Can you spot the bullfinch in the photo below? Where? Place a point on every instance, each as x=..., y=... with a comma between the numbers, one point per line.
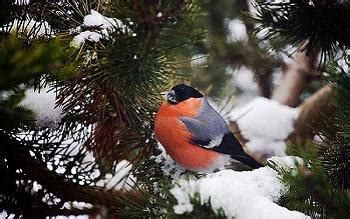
x=196, y=136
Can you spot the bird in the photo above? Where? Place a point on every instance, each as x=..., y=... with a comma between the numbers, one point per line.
x=196, y=136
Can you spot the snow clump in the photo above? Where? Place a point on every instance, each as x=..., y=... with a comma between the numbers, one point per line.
x=266, y=124
x=246, y=194
x=106, y=25
x=43, y=104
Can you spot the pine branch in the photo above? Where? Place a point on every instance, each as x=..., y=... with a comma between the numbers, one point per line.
x=57, y=184
x=323, y=23
x=320, y=186
x=335, y=152
x=118, y=88
x=311, y=190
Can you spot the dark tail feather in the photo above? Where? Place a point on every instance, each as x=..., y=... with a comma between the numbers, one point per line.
x=247, y=160
x=231, y=146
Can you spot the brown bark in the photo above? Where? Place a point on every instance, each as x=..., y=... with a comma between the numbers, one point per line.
x=296, y=77
x=313, y=114
x=265, y=85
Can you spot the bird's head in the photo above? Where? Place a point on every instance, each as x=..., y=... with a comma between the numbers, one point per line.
x=182, y=92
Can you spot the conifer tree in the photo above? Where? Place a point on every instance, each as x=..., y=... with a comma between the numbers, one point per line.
x=107, y=63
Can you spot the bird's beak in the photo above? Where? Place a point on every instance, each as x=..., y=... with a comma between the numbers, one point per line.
x=164, y=95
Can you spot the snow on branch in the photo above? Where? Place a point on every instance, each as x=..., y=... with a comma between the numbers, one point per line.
x=247, y=194
x=237, y=31
x=43, y=104
x=59, y=185
x=265, y=124
x=104, y=24
x=29, y=27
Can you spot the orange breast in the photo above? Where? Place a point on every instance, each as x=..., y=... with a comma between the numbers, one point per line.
x=175, y=137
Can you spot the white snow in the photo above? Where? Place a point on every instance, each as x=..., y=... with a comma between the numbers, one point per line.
x=22, y=2
x=237, y=31
x=199, y=60
x=243, y=78
x=106, y=25
x=248, y=194
x=36, y=187
x=343, y=60
x=95, y=19
x=287, y=162
x=265, y=124
x=319, y=138
x=277, y=77
x=86, y=35
x=43, y=105
x=121, y=178
x=80, y=205
x=30, y=26
x=286, y=54
x=278, y=1
x=4, y=215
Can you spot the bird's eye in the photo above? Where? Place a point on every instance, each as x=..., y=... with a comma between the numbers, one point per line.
x=171, y=96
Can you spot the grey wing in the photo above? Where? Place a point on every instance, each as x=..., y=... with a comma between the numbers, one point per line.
x=212, y=119
x=208, y=128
